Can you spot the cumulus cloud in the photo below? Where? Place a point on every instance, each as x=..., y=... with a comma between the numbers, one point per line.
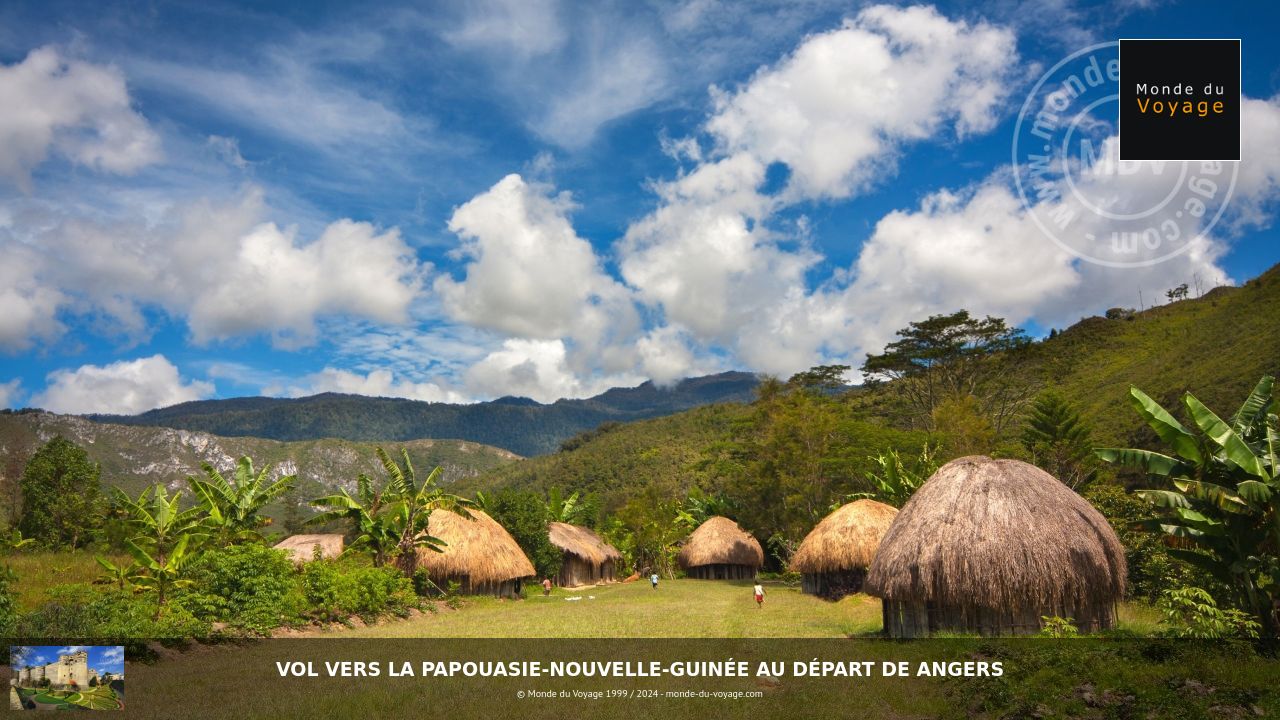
x=376, y=383
x=222, y=267
x=536, y=369
x=121, y=388
x=78, y=109
x=10, y=392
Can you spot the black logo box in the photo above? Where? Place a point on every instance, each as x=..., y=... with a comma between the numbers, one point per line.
x=1185, y=68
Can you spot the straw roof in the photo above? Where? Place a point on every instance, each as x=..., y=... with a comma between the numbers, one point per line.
x=719, y=541
x=301, y=548
x=479, y=548
x=999, y=534
x=845, y=539
x=582, y=542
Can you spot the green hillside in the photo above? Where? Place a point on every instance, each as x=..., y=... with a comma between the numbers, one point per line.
x=133, y=457
x=1216, y=346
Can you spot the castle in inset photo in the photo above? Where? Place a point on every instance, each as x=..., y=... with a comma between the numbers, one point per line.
x=89, y=677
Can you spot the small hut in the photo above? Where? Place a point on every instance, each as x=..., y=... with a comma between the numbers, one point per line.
x=991, y=546
x=480, y=555
x=835, y=555
x=302, y=548
x=587, y=558
x=720, y=550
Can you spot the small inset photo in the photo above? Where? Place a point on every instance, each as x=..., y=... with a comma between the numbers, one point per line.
x=66, y=677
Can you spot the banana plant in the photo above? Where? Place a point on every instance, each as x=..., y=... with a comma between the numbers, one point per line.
x=14, y=541
x=1223, y=513
x=162, y=572
x=119, y=575
x=414, y=503
x=234, y=507
x=366, y=513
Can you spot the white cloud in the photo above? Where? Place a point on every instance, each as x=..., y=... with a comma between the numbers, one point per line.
x=376, y=383
x=220, y=266
x=836, y=110
x=120, y=388
x=535, y=369
x=78, y=109
x=525, y=28
x=10, y=392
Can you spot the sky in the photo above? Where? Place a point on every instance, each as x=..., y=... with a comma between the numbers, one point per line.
x=458, y=202
x=103, y=658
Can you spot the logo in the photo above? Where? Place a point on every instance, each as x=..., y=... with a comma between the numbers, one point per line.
x=1068, y=172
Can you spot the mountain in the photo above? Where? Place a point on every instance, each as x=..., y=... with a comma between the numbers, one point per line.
x=133, y=457
x=519, y=425
x=1216, y=346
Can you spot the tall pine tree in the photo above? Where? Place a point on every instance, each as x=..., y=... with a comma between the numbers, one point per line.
x=1059, y=440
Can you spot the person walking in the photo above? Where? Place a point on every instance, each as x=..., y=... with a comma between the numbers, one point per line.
x=546, y=587
x=653, y=580
x=759, y=591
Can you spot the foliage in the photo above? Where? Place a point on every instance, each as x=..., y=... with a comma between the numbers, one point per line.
x=1152, y=571
x=335, y=589
x=61, y=496
x=233, y=508
x=1058, y=627
x=8, y=609
x=1060, y=441
x=964, y=428
x=249, y=587
x=120, y=575
x=1223, y=513
x=953, y=356
x=14, y=541
x=82, y=611
x=165, y=540
x=655, y=526
x=562, y=508
x=896, y=480
x=525, y=515
x=1191, y=612
x=366, y=513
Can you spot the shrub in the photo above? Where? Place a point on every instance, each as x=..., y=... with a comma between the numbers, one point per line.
x=1058, y=627
x=7, y=611
x=1152, y=572
x=337, y=589
x=1191, y=612
x=249, y=587
x=80, y=610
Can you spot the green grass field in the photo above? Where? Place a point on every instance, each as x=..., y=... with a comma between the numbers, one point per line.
x=40, y=571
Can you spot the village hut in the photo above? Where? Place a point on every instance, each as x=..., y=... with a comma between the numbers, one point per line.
x=835, y=555
x=586, y=558
x=720, y=550
x=992, y=546
x=480, y=555
x=302, y=548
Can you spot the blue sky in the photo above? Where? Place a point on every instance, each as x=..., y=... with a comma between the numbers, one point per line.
x=103, y=658
x=458, y=202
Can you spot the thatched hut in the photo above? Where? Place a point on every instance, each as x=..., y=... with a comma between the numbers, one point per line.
x=302, y=548
x=991, y=546
x=481, y=555
x=835, y=555
x=587, y=558
x=720, y=550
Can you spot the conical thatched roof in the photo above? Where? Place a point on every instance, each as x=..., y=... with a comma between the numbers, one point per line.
x=301, y=548
x=479, y=548
x=845, y=539
x=582, y=542
x=999, y=534
x=719, y=541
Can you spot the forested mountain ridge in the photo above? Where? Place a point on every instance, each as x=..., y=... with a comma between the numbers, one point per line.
x=520, y=425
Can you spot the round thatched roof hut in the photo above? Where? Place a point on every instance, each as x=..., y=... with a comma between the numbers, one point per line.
x=720, y=550
x=302, y=548
x=991, y=546
x=835, y=555
x=481, y=555
x=587, y=558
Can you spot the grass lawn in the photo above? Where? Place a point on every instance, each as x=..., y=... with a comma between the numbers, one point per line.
x=39, y=571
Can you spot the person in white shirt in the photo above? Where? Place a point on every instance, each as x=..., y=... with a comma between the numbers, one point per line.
x=759, y=590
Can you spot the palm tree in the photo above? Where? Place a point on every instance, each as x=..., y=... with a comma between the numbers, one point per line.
x=414, y=505
x=162, y=545
x=234, y=507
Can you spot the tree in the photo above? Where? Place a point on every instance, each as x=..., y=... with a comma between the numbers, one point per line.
x=1177, y=293
x=414, y=505
x=949, y=356
x=61, y=496
x=964, y=428
x=820, y=378
x=234, y=507
x=366, y=514
x=1059, y=441
x=162, y=543
x=118, y=575
x=1223, y=513
x=525, y=515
